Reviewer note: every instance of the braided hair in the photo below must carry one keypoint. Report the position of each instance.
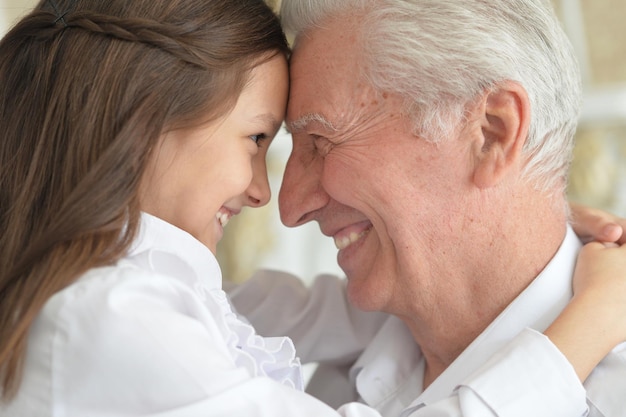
(88, 87)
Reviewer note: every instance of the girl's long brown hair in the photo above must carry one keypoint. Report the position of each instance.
(87, 87)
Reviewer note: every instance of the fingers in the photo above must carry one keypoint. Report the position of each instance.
(610, 244)
(611, 232)
(593, 224)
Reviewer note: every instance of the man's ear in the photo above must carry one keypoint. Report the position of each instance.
(504, 117)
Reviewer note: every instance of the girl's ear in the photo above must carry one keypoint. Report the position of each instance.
(504, 117)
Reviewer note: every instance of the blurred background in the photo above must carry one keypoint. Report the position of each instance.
(257, 239)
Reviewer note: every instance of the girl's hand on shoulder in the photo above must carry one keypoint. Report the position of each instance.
(600, 280)
(595, 224)
(594, 321)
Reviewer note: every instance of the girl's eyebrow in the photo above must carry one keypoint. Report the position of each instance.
(270, 119)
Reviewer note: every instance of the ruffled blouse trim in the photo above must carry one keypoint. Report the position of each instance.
(166, 249)
(273, 357)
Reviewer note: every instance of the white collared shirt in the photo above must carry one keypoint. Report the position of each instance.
(510, 370)
(394, 386)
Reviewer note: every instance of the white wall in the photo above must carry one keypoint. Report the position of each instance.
(11, 10)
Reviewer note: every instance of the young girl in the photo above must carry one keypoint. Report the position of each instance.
(131, 132)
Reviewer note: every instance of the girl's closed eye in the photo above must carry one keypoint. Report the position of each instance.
(258, 138)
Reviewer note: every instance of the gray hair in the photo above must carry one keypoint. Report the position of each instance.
(439, 55)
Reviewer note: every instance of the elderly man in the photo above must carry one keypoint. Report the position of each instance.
(431, 140)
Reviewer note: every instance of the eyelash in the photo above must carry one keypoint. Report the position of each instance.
(258, 138)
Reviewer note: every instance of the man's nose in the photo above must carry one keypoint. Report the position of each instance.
(301, 193)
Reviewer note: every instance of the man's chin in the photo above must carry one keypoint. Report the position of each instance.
(363, 296)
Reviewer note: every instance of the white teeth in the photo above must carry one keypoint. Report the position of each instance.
(223, 218)
(346, 241)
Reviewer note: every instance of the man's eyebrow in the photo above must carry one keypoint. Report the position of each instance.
(303, 122)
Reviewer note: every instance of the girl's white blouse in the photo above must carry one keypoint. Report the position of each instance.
(152, 333)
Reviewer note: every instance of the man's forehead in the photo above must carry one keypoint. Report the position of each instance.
(328, 91)
(329, 46)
